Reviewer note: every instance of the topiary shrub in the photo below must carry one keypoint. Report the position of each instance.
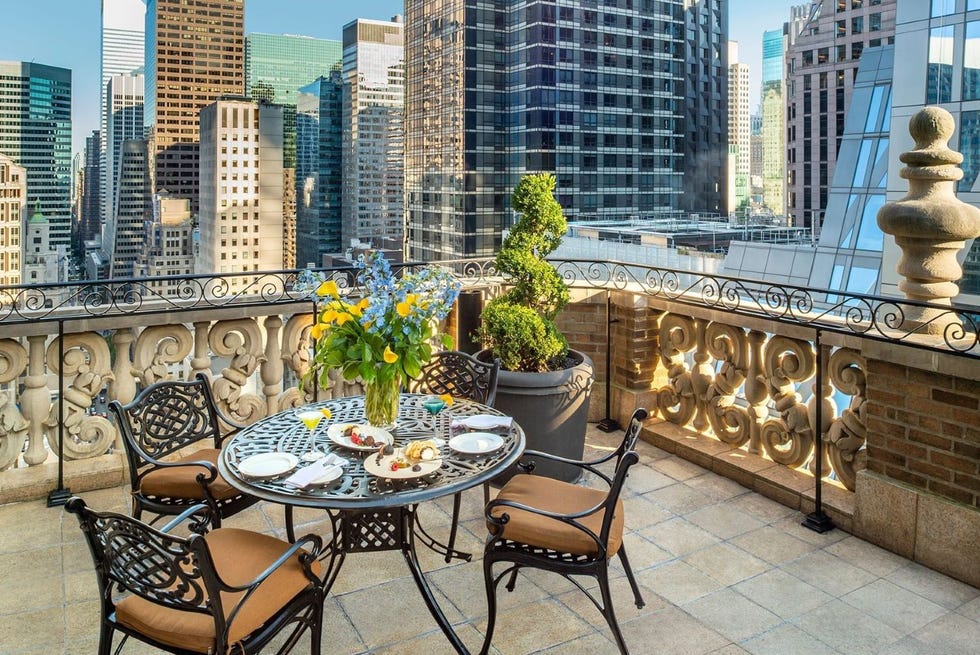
(518, 326)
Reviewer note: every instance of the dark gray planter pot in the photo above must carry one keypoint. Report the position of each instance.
(553, 410)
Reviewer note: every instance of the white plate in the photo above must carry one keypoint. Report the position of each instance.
(336, 434)
(267, 465)
(476, 443)
(382, 469)
(486, 422)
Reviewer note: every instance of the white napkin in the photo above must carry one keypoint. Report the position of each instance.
(483, 422)
(315, 471)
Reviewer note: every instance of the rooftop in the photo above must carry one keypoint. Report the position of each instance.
(723, 570)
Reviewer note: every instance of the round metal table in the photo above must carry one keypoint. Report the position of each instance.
(368, 512)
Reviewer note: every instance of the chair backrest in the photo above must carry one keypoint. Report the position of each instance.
(623, 465)
(165, 569)
(632, 433)
(462, 375)
(165, 417)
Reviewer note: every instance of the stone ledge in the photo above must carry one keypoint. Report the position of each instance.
(786, 486)
(34, 482)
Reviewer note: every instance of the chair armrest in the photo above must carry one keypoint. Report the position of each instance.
(202, 478)
(201, 510)
(589, 465)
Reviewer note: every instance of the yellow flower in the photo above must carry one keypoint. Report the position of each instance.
(316, 331)
(328, 316)
(447, 398)
(326, 412)
(355, 310)
(328, 288)
(403, 309)
(390, 356)
(343, 317)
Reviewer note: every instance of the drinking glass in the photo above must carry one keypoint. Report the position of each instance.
(311, 419)
(433, 405)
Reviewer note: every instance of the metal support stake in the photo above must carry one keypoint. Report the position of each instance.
(608, 424)
(60, 496)
(817, 520)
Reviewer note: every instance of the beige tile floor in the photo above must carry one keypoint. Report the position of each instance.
(723, 571)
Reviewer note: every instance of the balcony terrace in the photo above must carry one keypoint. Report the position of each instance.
(728, 465)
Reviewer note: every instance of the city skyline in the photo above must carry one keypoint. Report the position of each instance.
(72, 31)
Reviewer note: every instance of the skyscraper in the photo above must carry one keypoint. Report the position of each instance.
(122, 48)
(822, 62)
(35, 101)
(276, 66)
(124, 120)
(705, 145)
(195, 52)
(13, 189)
(773, 123)
(530, 86)
(374, 132)
(90, 203)
(739, 129)
(124, 233)
(319, 169)
(241, 187)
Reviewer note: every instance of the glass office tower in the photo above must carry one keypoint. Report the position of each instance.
(35, 100)
(705, 145)
(592, 92)
(277, 65)
(319, 169)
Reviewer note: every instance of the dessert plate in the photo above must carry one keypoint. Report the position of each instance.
(476, 443)
(382, 468)
(337, 434)
(486, 422)
(265, 466)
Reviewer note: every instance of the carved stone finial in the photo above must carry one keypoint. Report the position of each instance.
(930, 224)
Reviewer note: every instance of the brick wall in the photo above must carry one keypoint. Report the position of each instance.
(583, 322)
(924, 429)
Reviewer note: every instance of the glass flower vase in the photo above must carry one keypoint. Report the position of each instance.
(381, 402)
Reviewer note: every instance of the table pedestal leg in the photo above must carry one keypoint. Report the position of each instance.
(411, 557)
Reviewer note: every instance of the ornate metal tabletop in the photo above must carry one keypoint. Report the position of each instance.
(356, 488)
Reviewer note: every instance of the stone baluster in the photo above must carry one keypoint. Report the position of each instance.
(756, 392)
(122, 385)
(36, 400)
(271, 368)
(201, 362)
(930, 224)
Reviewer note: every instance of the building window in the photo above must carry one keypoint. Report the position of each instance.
(874, 23)
(971, 61)
(939, 79)
(857, 24)
(970, 147)
(943, 7)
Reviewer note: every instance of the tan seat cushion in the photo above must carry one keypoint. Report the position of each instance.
(180, 481)
(562, 498)
(239, 557)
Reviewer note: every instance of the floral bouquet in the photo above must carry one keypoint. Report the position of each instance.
(385, 337)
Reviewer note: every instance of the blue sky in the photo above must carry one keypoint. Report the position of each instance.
(66, 33)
